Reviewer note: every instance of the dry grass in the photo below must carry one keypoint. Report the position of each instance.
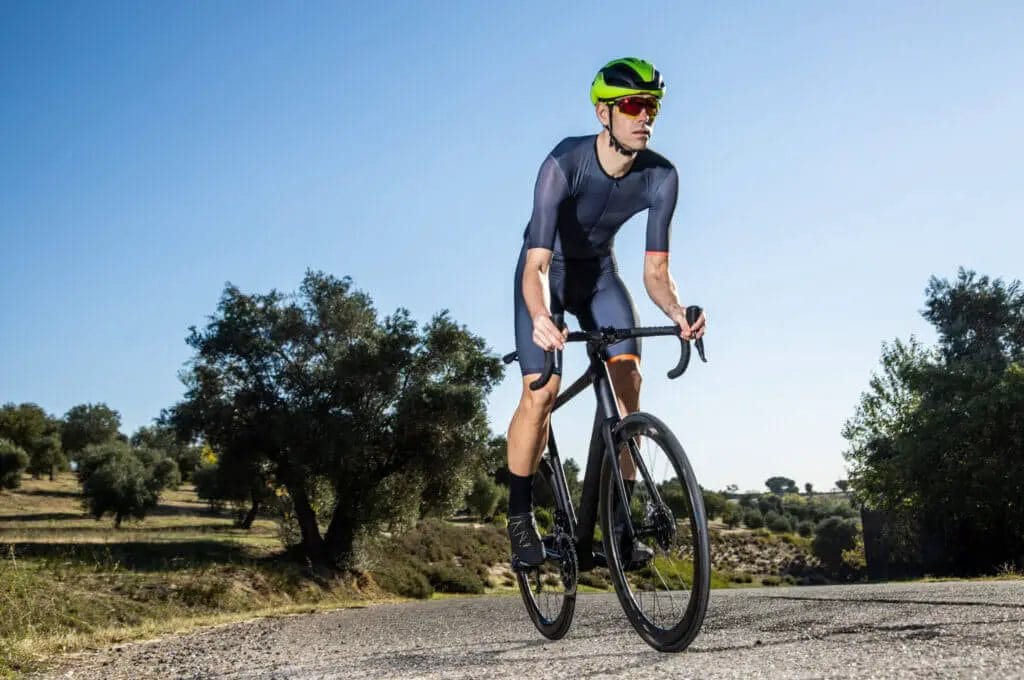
(70, 582)
(42, 511)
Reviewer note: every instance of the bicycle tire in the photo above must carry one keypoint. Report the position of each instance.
(679, 635)
(533, 581)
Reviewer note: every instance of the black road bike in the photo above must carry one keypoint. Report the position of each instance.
(663, 588)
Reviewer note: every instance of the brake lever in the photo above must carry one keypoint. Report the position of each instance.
(693, 313)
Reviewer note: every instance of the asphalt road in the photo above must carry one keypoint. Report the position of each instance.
(932, 630)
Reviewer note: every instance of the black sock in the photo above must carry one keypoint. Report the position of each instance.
(520, 494)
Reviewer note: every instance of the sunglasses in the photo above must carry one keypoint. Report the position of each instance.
(632, 106)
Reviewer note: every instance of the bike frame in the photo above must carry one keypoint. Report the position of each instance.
(602, 447)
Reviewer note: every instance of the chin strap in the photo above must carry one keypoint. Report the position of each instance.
(616, 144)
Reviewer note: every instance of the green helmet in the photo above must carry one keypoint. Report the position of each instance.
(623, 77)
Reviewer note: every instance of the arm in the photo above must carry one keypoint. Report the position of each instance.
(660, 285)
(551, 189)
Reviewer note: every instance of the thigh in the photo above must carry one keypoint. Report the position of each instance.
(531, 357)
(612, 305)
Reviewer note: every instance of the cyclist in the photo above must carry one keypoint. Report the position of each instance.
(586, 189)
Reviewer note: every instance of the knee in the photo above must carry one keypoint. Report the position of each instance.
(537, 404)
(626, 375)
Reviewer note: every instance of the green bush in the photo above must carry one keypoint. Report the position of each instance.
(166, 473)
(596, 578)
(777, 523)
(449, 579)
(805, 529)
(714, 503)
(206, 480)
(796, 506)
(832, 537)
(403, 579)
(545, 519)
(115, 481)
(771, 581)
(732, 515)
(753, 518)
(483, 497)
(768, 502)
(13, 461)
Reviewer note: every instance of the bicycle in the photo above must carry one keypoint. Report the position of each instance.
(665, 511)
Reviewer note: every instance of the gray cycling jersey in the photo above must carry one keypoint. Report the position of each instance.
(578, 207)
(577, 210)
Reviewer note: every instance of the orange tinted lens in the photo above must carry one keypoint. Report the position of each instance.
(632, 106)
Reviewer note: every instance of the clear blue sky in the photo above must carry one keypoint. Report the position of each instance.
(832, 157)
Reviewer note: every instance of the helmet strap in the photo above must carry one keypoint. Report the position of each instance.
(613, 142)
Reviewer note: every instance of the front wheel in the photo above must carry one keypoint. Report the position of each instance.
(663, 577)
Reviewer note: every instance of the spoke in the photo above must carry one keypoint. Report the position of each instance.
(668, 589)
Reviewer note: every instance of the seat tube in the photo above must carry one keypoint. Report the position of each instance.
(605, 415)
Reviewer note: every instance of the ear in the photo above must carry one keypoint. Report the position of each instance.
(603, 113)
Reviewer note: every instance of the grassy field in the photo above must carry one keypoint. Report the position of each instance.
(69, 582)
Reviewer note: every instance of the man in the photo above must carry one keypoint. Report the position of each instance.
(586, 189)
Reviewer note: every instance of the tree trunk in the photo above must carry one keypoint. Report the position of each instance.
(53, 472)
(340, 539)
(312, 542)
(117, 520)
(253, 509)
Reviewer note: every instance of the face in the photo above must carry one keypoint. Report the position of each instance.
(631, 118)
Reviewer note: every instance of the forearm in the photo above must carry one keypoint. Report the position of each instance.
(536, 291)
(662, 289)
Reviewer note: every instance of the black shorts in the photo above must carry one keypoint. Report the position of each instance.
(590, 290)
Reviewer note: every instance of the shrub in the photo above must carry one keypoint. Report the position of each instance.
(207, 486)
(805, 528)
(733, 515)
(796, 506)
(13, 461)
(753, 518)
(714, 503)
(545, 519)
(777, 523)
(483, 497)
(448, 579)
(832, 536)
(403, 579)
(166, 473)
(122, 481)
(596, 578)
(768, 502)
(771, 581)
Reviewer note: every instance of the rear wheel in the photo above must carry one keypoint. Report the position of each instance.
(549, 591)
(662, 586)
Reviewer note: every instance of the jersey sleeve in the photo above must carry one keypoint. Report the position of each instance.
(659, 217)
(551, 189)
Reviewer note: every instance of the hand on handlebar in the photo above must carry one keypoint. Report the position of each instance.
(546, 334)
(690, 330)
